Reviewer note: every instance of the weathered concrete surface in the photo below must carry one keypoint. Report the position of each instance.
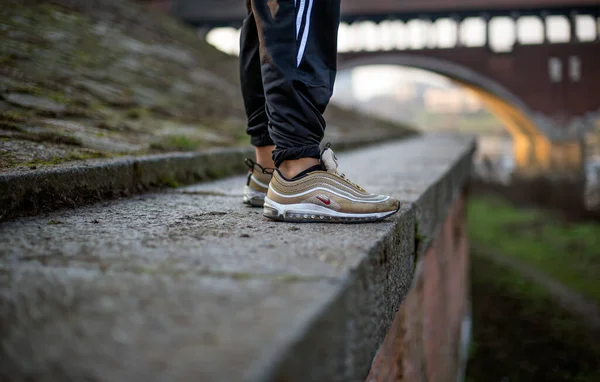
(429, 337)
(87, 79)
(72, 185)
(24, 192)
(192, 285)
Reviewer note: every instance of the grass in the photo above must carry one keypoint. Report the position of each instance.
(519, 334)
(569, 252)
(6, 159)
(16, 116)
(67, 158)
(169, 182)
(177, 143)
(138, 113)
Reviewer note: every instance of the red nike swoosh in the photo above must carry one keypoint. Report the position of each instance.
(325, 201)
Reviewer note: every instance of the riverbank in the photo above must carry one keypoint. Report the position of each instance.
(521, 332)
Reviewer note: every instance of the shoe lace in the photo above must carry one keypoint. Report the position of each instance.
(340, 174)
(343, 176)
(252, 164)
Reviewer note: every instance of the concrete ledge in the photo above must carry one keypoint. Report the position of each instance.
(31, 192)
(433, 205)
(191, 285)
(46, 189)
(77, 184)
(429, 337)
(431, 180)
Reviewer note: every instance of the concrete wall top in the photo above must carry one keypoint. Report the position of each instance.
(192, 285)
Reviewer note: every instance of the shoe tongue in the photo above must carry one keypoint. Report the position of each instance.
(329, 160)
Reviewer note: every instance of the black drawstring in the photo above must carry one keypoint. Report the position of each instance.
(251, 164)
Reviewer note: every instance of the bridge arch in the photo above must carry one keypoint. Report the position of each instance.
(531, 144)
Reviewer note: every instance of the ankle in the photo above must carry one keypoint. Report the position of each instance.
(264, 156)
(291, 168)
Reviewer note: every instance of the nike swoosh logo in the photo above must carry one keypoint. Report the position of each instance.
(325, 201)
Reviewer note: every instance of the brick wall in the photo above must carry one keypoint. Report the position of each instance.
(424, 342)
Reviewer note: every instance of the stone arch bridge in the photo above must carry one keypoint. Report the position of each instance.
(545, 92)
(540, 112)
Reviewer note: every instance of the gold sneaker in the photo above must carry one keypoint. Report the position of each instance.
(325, 196)
(257, 185)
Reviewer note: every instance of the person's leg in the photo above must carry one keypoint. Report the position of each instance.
(254, 102)
(253, 91)
(298, 55)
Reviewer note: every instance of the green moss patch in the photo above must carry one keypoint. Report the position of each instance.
(67, 158)
(117, 66)
(177, 143)
(520, 334)
(567, 251)
(169, 182)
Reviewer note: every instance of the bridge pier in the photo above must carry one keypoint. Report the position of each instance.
(563, 158)
(534, 152)
(538, 156)
(556, 81)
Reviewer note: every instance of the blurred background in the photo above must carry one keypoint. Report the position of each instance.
(434, 102)
(83, 80)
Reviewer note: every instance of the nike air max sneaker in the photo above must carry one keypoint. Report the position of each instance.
(325, 196)
(257, 185)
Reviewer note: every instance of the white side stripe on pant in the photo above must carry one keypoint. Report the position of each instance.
(306, 28)
(299, 17)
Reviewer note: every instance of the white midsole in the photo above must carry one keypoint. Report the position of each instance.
(314, 209)
(250, 194)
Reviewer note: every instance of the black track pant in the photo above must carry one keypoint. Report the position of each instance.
(288, 66)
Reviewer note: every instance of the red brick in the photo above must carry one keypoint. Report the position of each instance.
(423, 342)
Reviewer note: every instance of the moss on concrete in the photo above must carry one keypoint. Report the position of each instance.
(106, 66)
(168, 182)
(109, 68)
(67, 158)
(177, 143)
(7, 160)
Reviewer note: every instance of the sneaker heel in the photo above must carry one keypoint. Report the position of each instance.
(270, 212)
